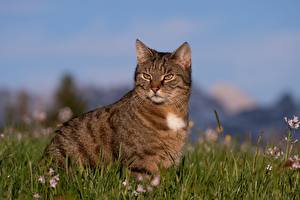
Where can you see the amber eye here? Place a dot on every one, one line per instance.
(168, 77)
(147, 76)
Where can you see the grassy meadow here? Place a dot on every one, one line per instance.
(209, 170)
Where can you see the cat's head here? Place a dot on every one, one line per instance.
(162, 76)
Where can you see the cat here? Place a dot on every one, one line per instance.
(145, 130)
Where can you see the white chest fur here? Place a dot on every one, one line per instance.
(174, 122)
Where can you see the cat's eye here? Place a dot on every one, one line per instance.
(147, 76)
(168, 77)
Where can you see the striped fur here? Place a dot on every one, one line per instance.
(135, 129)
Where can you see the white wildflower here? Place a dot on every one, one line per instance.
(51, 172)
(39, 116)
(53, 181)
(295, 141)
(19, 136)
(36, 195)
(140, 189)
(275, 152)
(211, 135)
(139, 178)
(41, 179)
(293, 123)
(295, 162)
(125, 183)
(56, 177)
(135, 193)
(269, 167)
(2, 135)
(65, 114)
(296, 165)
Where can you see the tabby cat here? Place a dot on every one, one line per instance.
(145, 130)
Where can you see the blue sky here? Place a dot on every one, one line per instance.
(254, 45)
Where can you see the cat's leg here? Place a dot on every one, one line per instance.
(146, 171)
(140, 176)
(155, 180)
(145, 181)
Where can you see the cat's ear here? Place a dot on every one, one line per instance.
(182, 56)
(143, 52)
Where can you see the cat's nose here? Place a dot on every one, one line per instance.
(155, 89)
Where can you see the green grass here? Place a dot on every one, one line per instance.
(210, 171)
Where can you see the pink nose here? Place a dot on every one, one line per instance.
(155, 89)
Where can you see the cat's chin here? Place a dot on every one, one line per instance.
(157, 99)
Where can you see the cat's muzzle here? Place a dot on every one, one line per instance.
(156, 97)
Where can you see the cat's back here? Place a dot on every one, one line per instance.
(86, 138)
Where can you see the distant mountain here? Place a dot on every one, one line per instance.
(266, 121)
(233, 99)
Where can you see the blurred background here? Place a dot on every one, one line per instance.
(59, 59)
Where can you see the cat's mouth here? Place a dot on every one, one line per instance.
(157, 99)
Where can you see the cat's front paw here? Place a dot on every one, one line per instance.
(155, 181)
